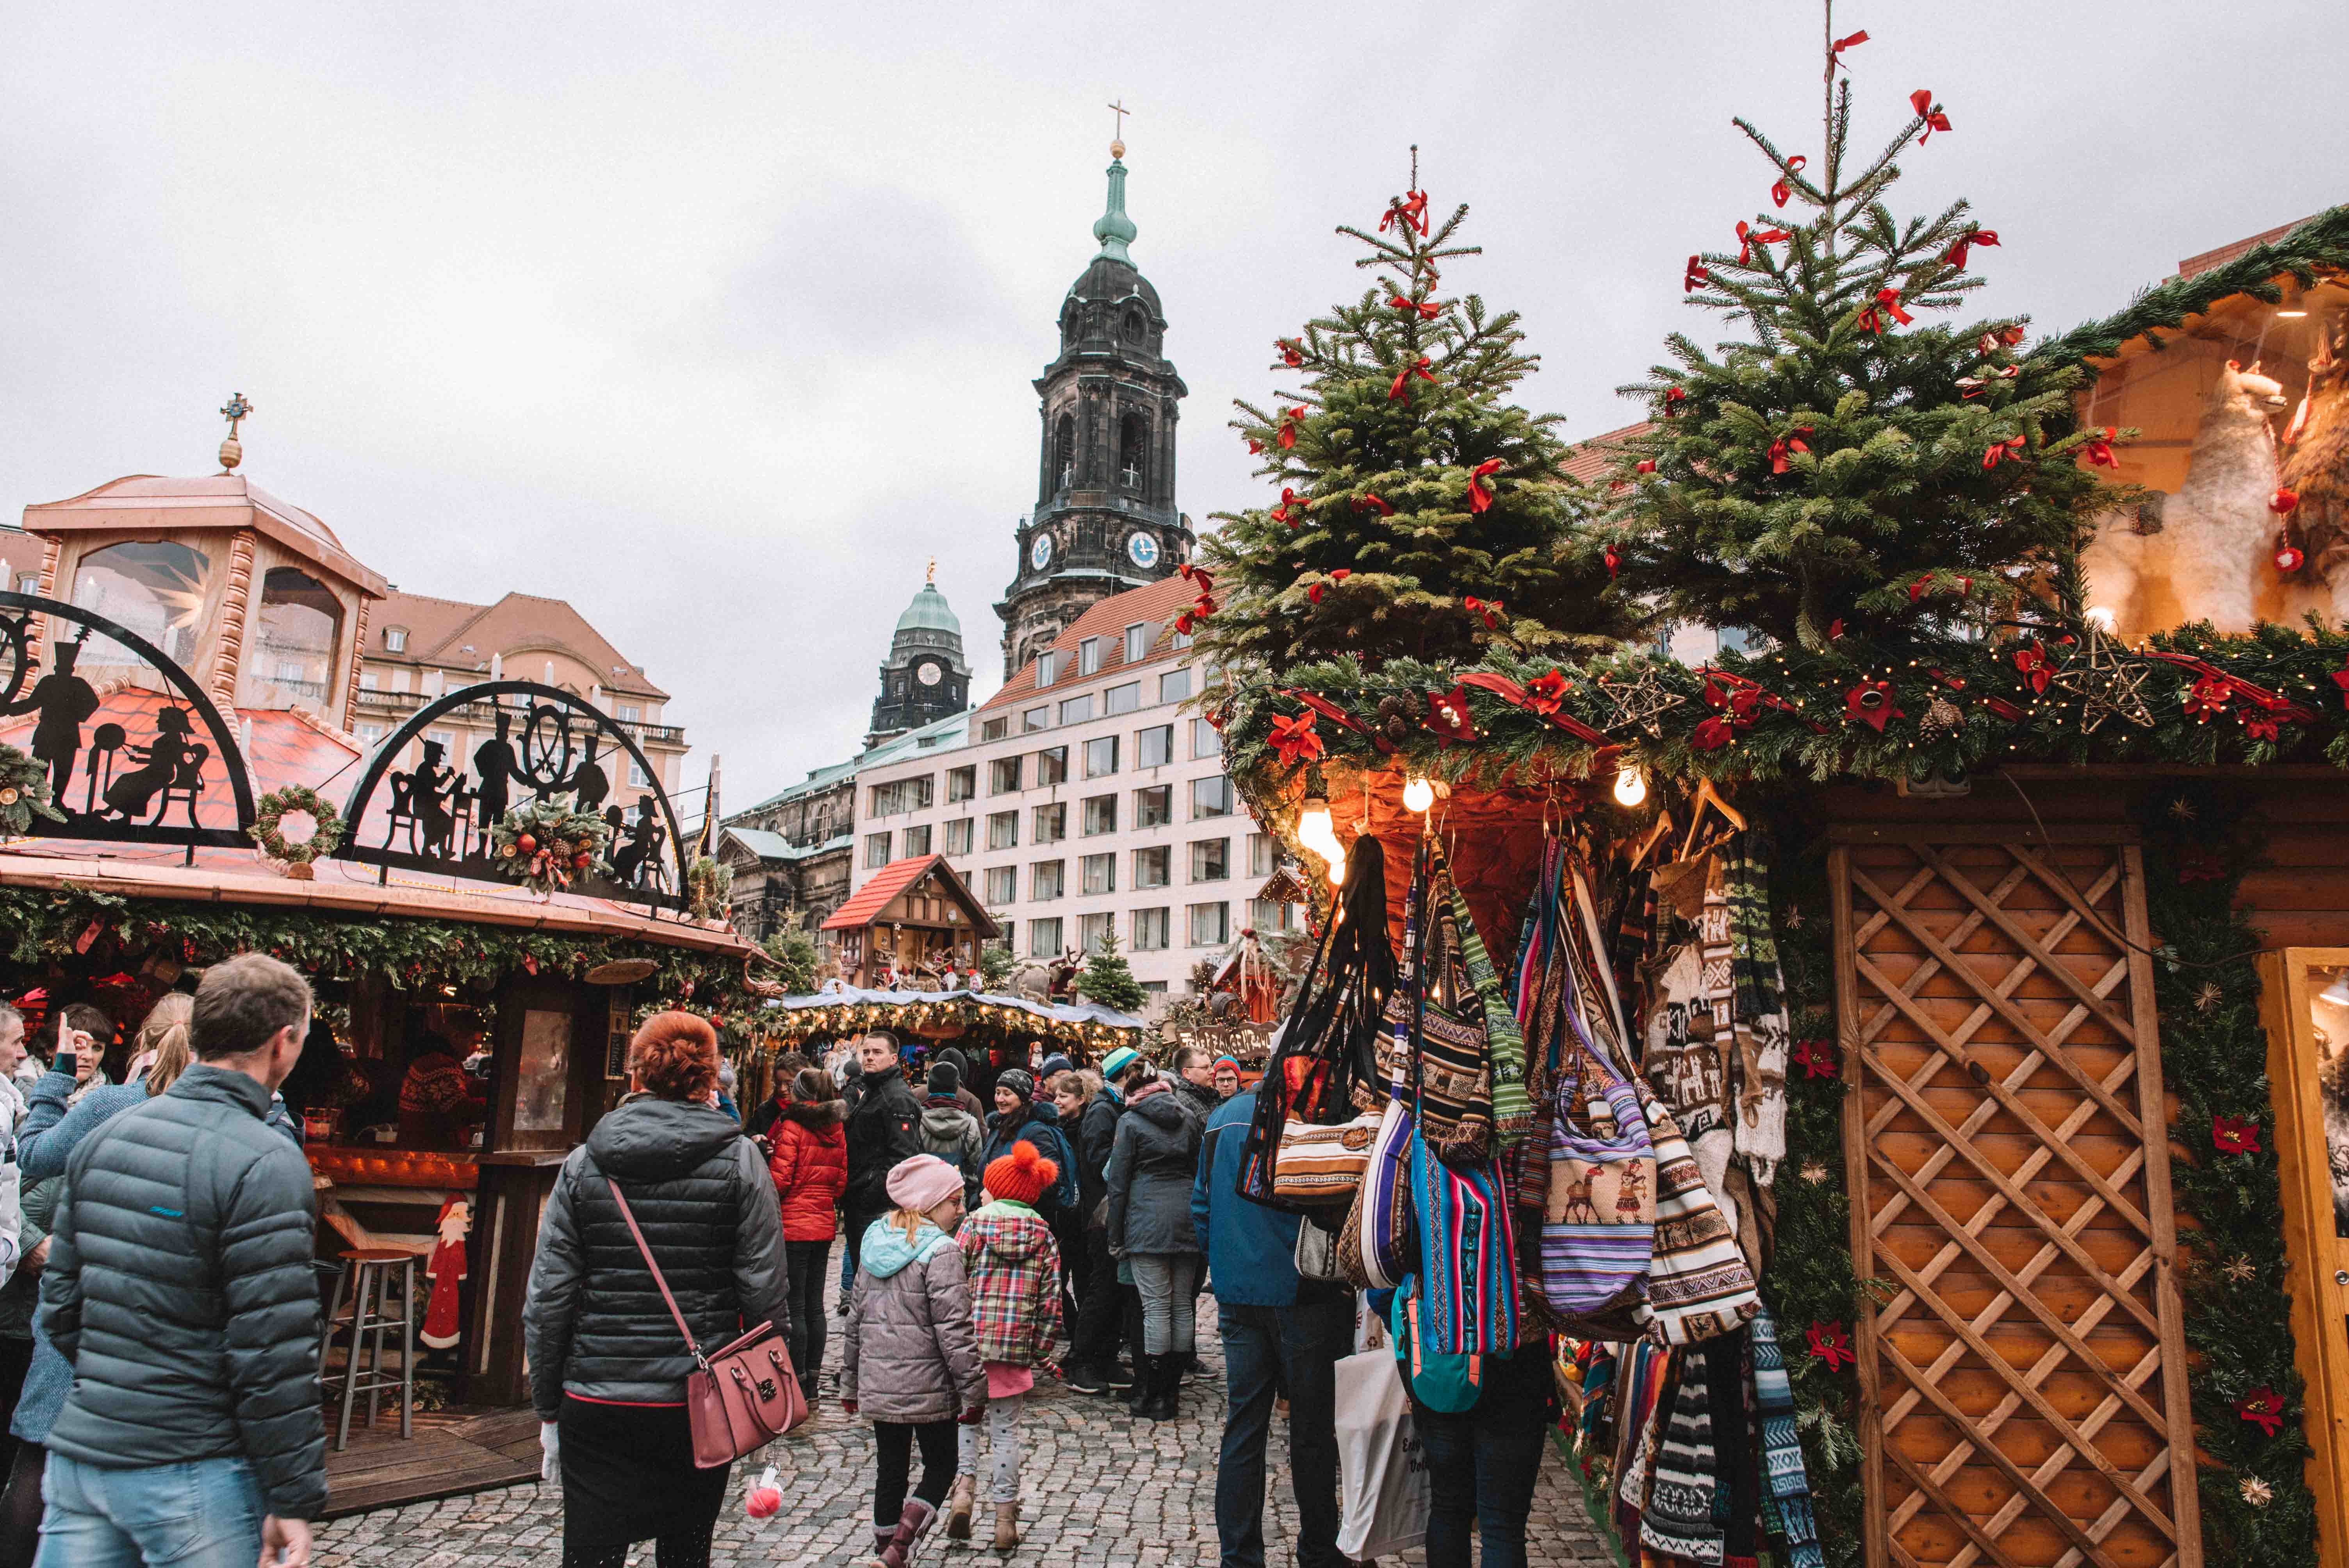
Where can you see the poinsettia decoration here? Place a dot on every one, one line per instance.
(2235, 1135)
(1295, 739)
(1818, 1060)
(1831, 1343)
(2262, 1407)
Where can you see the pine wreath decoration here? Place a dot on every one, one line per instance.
(299, 800)
(546, 844)
(23, 791)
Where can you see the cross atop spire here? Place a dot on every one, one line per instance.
(1117, 138)
(232, 451)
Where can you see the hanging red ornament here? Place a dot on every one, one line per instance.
(1830, 1343)
(1615, 560)
(1673, 398)
(1747, 238)
(1479, 495)
(1694, 277)
(1956, 255)
(1292, 352)
(1870, 702)
(1447, 715)
(1780, 191)
(1818, 1060)
(1998, 452)
(2284, 501)
(1428, 309)
(1645, 466)
(2032, 661)
(1400, 386)
(2288, 557)
(1288, 421)
(2099, 449)
(1921, 100)
(1295, 739)
(2262, 1407)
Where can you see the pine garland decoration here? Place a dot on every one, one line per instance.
(23, 791)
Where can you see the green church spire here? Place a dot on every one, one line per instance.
(1113, 229)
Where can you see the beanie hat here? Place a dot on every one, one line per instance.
(1023, 1176)
(1018, 1080)
(1055, 1063)
(1118, 1060)
(953, 1057)
(1231, 1062)
(921, 1182)
(944, 1077)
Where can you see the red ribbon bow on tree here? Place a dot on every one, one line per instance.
(1956, 256)
(1780, 191)
(1816, 1059)
(1645, 466)
(1747, 238)
(1888, 302)
(1295, 739)
(1339, 575)
(1546, 697)
(1923, 101)
(1786, 446)
(1693, 276)
(1288, 418)
(1975, 385)
(2260, 726)
(1292, 354)
(1447, 715)
(1255, 447)
(1400, 386)
(1870, 702)
(1479, 495)
(1615, 560)
(2031, 661)
(2262, 1407)
(1428, 309)
(1831, 1343)
(1371, 501)
(1836, 50)
(1998, 452)
(1201, 575)
(2098, 449)
(1673, 398)
(1292, 508)
(1491, 611)
(1412, 211)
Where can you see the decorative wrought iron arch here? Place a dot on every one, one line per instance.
(546, 761)
(176, 768)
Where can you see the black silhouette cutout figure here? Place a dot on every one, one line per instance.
(435, 788)
(106, 742)
(494, 766)
(171, 761)
(65, 701)
(636, 857)
(589, 784)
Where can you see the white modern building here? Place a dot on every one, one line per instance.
(1083, 800)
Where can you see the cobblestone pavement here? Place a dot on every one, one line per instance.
(1101, 1490)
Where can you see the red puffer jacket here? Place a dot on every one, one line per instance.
(810, 1167)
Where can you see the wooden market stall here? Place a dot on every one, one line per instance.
(913, 924)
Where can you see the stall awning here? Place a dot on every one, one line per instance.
(1070, 1013)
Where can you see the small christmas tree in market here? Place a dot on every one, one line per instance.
(1107, 980)
(1849, 466)
(1421, 513)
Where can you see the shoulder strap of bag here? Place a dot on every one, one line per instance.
(691, 1348)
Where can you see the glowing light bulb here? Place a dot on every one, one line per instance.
(1418, 795)
(2101, 615)
(1630, 787)
(1317, 832)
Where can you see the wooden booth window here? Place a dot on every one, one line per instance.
(2022, 1380)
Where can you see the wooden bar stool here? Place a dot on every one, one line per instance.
(370, 1272)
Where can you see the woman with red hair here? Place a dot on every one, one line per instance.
(608, 1367)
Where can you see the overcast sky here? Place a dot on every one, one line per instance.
(721, 320)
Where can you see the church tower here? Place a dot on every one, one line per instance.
(925, 677)
(1105, 519)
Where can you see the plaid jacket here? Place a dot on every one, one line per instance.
(1014, 1271)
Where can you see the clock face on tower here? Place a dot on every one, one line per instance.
(1040, 554)
(927, 672)
(1142, 550)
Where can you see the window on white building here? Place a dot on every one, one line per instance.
(1088, 656)
(1034, 719)
(1153, 807)
(1174, 684)
(1051, 765)
(1121, 699)
(372, 734)
(1077, 709)
(368, 679)
(1137, 643)
(958, 836)
(962, 783)
(1211, 798)
(1051, 823)
(876, 850)
(1154, 747)
(1044, 938)
(1003, 776)
(1093, 931)
(1047, 879)
(1003, 830)
(1100, 757)
(1151, 866)
(1100, 873)
(1100, 815)
(1264, 854)
(994, 728)
(1150, 930)
(1002, 886)
(1211, 925)
(1211, 861)
(1048, 668)
(917, 840)
(636, 774)
(1205, 741)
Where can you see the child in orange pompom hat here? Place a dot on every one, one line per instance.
(1014, 1271)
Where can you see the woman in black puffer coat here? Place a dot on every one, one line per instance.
(608, 1367)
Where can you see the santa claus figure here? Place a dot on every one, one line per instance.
(446, 1270)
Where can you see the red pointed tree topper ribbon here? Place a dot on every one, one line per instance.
(1830, 1343)
(1748, 237)
(1295, 739)
(1888, 302)
(1780, 191)
(1693, 276)
(1400, 386)
(1412, 211)
(1870, 703)
(1479, 495)
(1921, 100)
(1956, 255)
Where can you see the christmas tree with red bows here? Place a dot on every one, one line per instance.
(1854, 462)
(1421, 514)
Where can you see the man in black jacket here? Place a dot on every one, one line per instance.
(195, 1345)
(884, 1125)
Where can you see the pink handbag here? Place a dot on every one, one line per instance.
(741, 1398)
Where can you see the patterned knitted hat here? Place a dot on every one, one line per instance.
(1023, 1175)
(1018, 1080)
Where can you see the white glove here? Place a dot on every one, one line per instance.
(550, 1439)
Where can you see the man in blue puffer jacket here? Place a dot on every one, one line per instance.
(1279, 1331)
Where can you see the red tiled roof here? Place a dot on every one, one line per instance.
(1588, 461)
(2194, 265)
(439, 629)
(1158, 602)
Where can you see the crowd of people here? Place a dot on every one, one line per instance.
(1012, 1223)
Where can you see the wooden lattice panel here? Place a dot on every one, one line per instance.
(2025, 1401)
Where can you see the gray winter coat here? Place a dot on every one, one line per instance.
(1151, 1168)
(952, 1134)
(179, 1286)
(912, 1354)
(593, 1322)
